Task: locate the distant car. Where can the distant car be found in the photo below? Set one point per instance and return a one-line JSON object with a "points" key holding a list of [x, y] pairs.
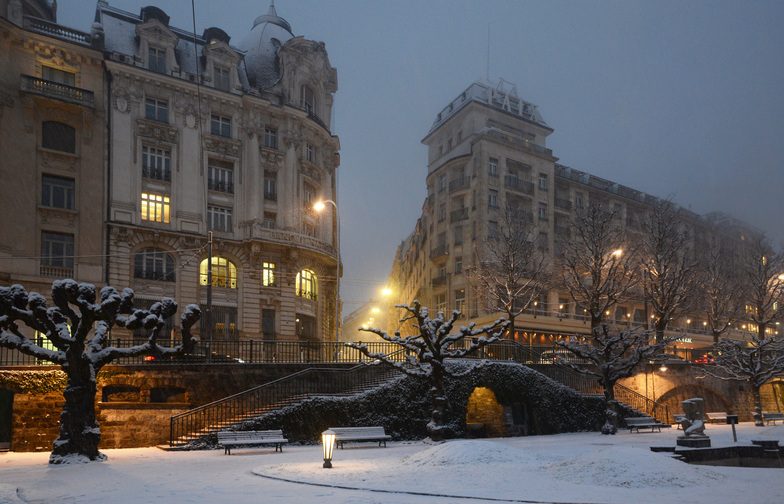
{"points": [[559, 354], [705, 359]]}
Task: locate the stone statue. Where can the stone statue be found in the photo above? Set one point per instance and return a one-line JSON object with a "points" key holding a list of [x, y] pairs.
{"points": [[693, 424]]}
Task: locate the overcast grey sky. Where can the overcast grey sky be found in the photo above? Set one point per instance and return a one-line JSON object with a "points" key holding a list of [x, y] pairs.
{"points": [[681, 98]]}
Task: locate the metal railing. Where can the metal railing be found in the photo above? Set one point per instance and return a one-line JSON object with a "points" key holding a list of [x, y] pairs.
{"points": [[56, 30], [58, 91]]}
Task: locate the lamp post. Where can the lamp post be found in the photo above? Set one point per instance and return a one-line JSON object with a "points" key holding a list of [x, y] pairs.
{"points": [[319, 206], [328, 442]]}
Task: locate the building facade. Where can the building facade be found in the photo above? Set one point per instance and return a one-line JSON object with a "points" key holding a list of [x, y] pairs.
{"points": [[174, 163], [487, 152]]}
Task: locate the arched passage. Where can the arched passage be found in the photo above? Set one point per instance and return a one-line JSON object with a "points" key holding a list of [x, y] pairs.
{"points": [[484, 414], [713, 400], [6, 413]]}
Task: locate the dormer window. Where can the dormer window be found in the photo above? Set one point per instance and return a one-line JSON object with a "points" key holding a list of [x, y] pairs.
{"points": [[222, 80], [308, 99], [156, 60]]}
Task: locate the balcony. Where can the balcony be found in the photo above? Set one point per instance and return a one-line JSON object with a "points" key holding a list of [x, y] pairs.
{"points": [[439, 281], [57, 272], [54, 30], [519, 184], [459, 214], [57, 91], [221, 186], [149, 172], [458, 184], [441, 250], [563, 203]]}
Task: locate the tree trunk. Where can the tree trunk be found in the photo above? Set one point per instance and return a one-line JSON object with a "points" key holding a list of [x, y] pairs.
{"points": [[510, 332], [758, 422], [435, 428], [716, 335], [660, 328], [610, 414], [79, 431]]}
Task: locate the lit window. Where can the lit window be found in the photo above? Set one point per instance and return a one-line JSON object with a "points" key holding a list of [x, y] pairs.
{"points": [[492, 167], [156, 110], [220, 125], [156, 60], [224, 273], [441, 303], [222, 81], [58, 136], [59, 76], [155, 207], [58, 192], [153, 264], [460, 300], [270, 138], [219, 218], [307, 286], [268, 274], [220, 176], [156, 164]]}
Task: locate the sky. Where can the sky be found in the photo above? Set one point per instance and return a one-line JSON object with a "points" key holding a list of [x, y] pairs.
{"points": [[672, 98], [582, 467]]}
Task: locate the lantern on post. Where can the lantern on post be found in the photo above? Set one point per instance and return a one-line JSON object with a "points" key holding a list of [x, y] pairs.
{"points": [[328, 442]]}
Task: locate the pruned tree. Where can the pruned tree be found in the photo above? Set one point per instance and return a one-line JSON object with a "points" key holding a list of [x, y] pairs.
{"points": [[598, 266], [511, 271], [77, 329], [762, 280], [668, 268], [427, 352], [613, 356], [756, 363], [719, 285]]}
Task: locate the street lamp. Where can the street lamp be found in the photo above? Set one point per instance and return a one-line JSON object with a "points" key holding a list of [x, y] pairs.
{"points": [[319, 206], [328, 442]]}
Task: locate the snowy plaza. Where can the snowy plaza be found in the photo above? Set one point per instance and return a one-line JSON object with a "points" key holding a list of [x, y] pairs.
{"points": [[566, 468]]}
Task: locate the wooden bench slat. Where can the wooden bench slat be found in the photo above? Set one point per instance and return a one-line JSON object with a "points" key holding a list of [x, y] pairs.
{"points": [[374, 433], [229, 439]]}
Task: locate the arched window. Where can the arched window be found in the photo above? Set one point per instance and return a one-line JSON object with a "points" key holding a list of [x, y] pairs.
{"points": [[308, 99], [307, 285], [153, 264], [58, 136], [224, 273]]}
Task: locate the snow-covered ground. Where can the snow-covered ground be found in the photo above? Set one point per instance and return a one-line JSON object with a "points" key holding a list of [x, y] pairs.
{"points": [[575, 468]]}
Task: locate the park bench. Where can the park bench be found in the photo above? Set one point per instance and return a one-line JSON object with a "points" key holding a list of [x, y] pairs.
{"points": [[772, 417], [344, 434], [717, 417], [231, 439], [643, 422]]}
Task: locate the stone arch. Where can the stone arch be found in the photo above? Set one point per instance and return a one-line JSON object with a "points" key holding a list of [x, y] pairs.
{"points": [[168, 394], [484, 414], [120, 393], [713, 400]]}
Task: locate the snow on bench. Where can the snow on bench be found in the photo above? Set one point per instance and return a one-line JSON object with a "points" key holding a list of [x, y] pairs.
{"points": [[717, 417], [230, 439], [772, 417], [641, 422], [344, 434]]}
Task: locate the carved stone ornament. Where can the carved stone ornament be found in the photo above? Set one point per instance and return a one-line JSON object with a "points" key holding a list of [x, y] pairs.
{"points": [[312, 171], [271, 155], [58, 217], [123, 235], [156, 131], [221, 146], [55, 161]]}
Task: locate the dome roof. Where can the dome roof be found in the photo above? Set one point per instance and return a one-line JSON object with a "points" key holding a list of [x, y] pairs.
{"points": [[261, 46]]}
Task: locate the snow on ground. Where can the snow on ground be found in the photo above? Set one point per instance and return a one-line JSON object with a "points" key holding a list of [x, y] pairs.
{"points": [[573, 468]]}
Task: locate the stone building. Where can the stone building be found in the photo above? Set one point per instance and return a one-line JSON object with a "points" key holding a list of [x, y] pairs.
{"points": [[52, 143], [487, 151]]}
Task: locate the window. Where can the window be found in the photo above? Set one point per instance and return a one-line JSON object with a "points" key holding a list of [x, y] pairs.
{"points": [[156, 60], [153, 264], [224, 322], [542, 181], [220, 176], [309, 196], [458, 265], [270, 218], [58, 192], [270, 186], [442, 182], [441, 303], [306, 327], [543, 211], [224, 273], [492, 200], [308, 100], [578, 199], [58, 136], [459, 235], [270, 138], [460, 301], [492, 167], [155, 207], [156, 110], [220, 125], [268, 278], [57, 250], [543, 241], [307, 286], [442, 212], [156, 164], [492, 230], [310, 152], [219, 218], [222, 81], [268, 324], [59, 76]]}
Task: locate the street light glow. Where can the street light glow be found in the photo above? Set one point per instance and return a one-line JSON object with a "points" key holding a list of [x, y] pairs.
{"points": [[319, 206], [387, 291]]}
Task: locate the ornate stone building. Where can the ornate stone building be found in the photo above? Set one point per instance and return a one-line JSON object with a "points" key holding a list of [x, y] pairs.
{"points": [[52, 169], [487, 152], [234, 141]]}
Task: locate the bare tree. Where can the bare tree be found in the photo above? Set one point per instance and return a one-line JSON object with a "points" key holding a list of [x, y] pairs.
{"points": [[78, 330], [427, 352], [669, 270], [614, 355], [720, 290], [755, 363], [598, 266], [762, 277], [511, 270]]}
